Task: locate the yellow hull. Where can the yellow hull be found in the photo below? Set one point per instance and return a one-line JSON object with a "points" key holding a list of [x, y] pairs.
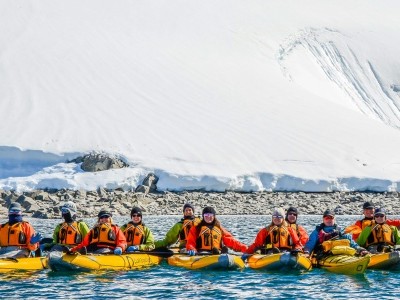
{"points": [[78, 262], [221, 261], [343, 264], [23, 264], [387, 260], [279, 261]]}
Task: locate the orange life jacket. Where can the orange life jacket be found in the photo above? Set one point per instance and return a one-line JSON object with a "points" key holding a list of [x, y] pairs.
{"points": [[209, 237], [103, 235], [366, 222], [12, 235], [69, 234], [187, 224], [380, 234], [134, 234], [278, 237]]}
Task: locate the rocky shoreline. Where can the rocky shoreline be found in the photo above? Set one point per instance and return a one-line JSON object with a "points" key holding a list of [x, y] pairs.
{"points": [[45, 204]]}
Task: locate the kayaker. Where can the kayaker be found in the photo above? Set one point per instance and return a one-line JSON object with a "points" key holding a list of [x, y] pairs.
{"points": [[209, 236], [328, 230], [276, 237], [71, 232], [368, 220], [380, 236], [138, 236], [17, 237], [179, 232], [291, 219], [104, 237]]}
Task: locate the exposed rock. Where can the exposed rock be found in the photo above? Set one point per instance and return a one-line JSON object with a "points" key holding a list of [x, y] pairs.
{"points": [[95, 162]]}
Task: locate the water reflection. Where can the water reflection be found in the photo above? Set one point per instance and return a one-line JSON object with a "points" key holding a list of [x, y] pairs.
{"points": [[164, 281]]}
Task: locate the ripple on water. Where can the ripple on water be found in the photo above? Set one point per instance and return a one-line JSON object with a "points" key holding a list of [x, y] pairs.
{"points": [[164, 281]]}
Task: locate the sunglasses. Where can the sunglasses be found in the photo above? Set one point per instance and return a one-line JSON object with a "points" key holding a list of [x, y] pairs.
{"points": [[292, 214], [136, 215], [379, 216], [329, 217], [277, 217], [208, 215], [104, 217]]}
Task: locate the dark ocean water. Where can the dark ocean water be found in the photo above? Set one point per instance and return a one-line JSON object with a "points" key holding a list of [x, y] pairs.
{"points": [[164, 281]]}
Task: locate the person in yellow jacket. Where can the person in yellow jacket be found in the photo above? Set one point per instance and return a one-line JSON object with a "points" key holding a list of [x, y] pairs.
{"points": [[70, 232], [368, 220], [138, 236], [17, 237], [379, 236], [179, 232]]}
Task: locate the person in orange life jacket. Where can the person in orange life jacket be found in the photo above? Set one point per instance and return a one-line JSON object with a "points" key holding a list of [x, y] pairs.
{"points": [[291, 219], [17, 237], [368, 220], [104, 237], [379, 237], [277, 235], [328, 230], [179, 232], [138, 236], [69, 233], [210, 236]]}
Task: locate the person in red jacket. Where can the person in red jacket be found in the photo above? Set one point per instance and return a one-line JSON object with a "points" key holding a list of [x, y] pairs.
{"points": [[368, 220], [276, 237], [104, 237], [210, 236], [291, 219], [17, 237]]}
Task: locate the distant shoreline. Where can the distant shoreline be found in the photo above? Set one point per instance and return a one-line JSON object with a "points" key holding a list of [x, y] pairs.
{"points": [[45, 204]]}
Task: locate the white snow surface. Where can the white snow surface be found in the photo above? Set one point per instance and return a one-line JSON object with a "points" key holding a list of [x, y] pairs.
{"points": [[247, 95]]}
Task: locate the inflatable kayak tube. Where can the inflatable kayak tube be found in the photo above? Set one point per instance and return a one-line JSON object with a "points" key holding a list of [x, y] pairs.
{"points": [[219, 261], [343, 264], [59, 261], [386, 261], [23, 264], [279, 261]]}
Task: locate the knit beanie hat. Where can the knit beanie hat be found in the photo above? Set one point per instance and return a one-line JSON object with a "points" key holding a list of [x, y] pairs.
{"points": [[188, 205], [208, 210], [68, 207], [104, 212], [136, 210], [278, 212], [15, 208], [292, 210]]}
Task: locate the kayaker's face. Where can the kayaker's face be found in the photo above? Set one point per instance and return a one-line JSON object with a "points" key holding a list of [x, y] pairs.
{"points": [[104, 219], [292, 217], [188, 212], [208, 218], [329, 220], [369, 212], [136, 218], [380, 218], [277, 220]]}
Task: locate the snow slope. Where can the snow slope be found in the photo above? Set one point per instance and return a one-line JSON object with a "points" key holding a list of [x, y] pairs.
{"points": [[217, 95]]}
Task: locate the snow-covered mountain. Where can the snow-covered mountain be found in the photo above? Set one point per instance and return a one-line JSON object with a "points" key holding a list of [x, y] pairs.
{"points": [[212, 94]]}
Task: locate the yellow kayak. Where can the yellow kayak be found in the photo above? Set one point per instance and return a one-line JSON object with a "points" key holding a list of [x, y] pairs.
{"points": [[23, 264], [343, 264], [387, 260], [59, 261], [279, 261], [219, 261]]}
